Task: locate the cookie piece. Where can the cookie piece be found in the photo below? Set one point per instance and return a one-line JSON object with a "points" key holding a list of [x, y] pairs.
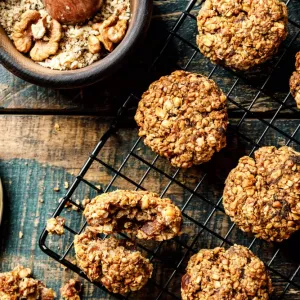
{"points": [[141, 213], [18, 284], [241, 33], [111, 262], [217, 274], [56, 225], [262, 195], [71, 290], [295, 81], [183, 117]]}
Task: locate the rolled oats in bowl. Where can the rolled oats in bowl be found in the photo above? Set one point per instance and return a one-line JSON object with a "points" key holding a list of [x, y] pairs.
{"points": [[64, 47]]}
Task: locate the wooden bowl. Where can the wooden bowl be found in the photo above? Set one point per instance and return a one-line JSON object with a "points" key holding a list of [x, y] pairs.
{"points": [[25, 68]]}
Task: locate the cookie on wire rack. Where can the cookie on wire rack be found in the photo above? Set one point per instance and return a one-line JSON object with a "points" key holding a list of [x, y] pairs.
{"points": [[241, 34], [262, 194], [216, 274], [111, 262], [183, 117], [141, 213], [295, 81]]}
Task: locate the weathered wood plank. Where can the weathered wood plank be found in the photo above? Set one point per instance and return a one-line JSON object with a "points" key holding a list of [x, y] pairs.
{"points": [[105, 97], [36, 156]]}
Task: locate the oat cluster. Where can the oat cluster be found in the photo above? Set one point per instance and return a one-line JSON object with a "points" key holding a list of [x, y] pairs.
{"points": [[71, 290], [111, 262], [295, 81], [56, 225], [217, 274], [18, 284], [183, 117], [72, 48], [262, 195], [140, 213], [241, 33]]}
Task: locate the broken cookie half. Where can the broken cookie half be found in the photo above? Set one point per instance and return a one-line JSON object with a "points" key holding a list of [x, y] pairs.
{"points": [[141, 213]]}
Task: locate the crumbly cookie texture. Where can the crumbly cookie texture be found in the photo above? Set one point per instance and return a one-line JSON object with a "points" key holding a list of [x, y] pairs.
{"points": [[295, 81], [56, 225], [141, 213], [241, 33], [71, 290], [183, 117], [217, 274], [18, 284], [262, 195], [111, 262]]}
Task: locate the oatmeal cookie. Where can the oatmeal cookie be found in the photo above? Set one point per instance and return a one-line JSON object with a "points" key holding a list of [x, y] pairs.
{"points": [[241, 33], [141, 213], [262, 195], [18, 284], [183, 117], [56, 225], [295, 81], [111, 262], [216, 274], [71, 290]]}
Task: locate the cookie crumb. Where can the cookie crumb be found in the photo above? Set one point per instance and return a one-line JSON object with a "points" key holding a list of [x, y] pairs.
{"points": [[20, 234], [56, 225], [71, 290]]}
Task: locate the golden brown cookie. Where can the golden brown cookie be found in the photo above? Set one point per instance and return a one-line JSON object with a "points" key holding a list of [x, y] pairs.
{"points": [[295, 81], [217, 274], [111, 262], [262, 195], [141, 213], [183, 117], [241, 33]]}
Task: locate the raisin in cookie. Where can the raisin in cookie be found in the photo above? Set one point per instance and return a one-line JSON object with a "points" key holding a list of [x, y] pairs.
{"points": [[111, 262], [295, 81], [262, 195], [217, 274], [183, 117], [241, 33], [141, 213], [18, 284]]}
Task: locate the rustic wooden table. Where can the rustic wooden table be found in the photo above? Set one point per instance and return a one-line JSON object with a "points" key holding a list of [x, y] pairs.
{"points": [[46, 136]]}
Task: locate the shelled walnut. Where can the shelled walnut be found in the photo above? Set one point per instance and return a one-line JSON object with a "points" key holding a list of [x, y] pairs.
{"points": [[111, 32], [33, 29]]}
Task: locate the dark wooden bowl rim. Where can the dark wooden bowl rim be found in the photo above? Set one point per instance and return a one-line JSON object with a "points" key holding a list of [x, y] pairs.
{"points": [[26, 69]]}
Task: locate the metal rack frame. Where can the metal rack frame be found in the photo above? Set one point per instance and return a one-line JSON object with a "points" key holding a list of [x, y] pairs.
{"points": [[244, 113]]}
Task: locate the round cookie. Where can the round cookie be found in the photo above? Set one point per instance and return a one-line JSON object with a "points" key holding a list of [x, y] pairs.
{"points": [[262, 195], [295, 81], [217, 274], [183, 117], [141, 213], [111, 262], [241, 33]]}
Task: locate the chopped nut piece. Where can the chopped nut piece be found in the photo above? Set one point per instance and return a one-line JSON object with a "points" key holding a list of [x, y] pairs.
{"points": [[39, 29], [232, 274], [56, 189], [20, 234], [183, 117], [94, 44], [141, 213], [57, 127], [22, 35], [261, 195], [66, 185], [17, 284], [241, 34], [42, 50], [295, 81], [111, 262], [56, 225], [71, 290]]}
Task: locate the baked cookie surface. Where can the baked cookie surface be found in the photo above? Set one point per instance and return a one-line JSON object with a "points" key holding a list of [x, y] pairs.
{"points": [[141, 213], [217, 274], [262, 195], [241, 33], [111, 262], [295, 81], [183, 117]]}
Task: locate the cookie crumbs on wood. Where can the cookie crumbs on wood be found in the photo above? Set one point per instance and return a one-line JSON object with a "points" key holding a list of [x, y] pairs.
{"points": [[56, 225]]}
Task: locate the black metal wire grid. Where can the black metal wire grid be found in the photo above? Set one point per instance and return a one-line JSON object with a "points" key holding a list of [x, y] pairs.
{"points": [[207, 233]]}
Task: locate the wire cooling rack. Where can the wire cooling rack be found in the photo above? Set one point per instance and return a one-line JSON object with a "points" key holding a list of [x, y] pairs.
{"points": [[198, 191]]}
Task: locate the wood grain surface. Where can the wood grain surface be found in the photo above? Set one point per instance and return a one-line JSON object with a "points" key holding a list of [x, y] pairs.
{"points": [[47, 135]]}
